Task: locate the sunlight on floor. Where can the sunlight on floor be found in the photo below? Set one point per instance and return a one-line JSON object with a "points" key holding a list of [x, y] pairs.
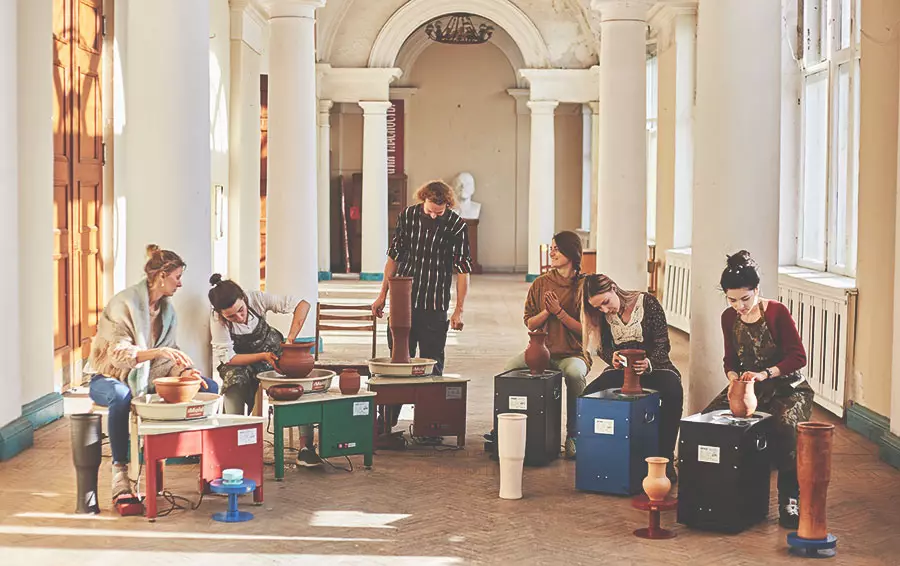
{"points": [[355, 519]]}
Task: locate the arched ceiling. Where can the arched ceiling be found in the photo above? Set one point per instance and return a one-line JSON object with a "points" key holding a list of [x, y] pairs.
{"points": [[347, 30]]}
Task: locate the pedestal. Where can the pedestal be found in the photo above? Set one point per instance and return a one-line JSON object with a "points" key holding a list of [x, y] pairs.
{"points": [[653, 530], [232, 515], [472, 224]]}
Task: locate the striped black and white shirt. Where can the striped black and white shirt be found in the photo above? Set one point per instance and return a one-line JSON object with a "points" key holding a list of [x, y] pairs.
{"points": [[430, 251]]}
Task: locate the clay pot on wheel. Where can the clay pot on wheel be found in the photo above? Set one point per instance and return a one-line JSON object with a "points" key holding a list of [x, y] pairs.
{"points": [[537, 356], [178, 389], [401, 318], [814, 445], [742, 398], [296, 360], [349, 382], [285, 392], [632, 381], [656, 485]]}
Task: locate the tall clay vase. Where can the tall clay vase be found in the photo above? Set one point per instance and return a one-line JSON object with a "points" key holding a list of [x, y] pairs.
{"points": [[742, 398], [86, 455], [349, 382], [296, 359], [401, 318], [511, 449], [632, 382], [656, 485], [814, 444], [537, 356]]}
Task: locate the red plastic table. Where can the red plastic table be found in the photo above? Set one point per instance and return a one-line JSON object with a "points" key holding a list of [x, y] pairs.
{"points": [[222, 441]]}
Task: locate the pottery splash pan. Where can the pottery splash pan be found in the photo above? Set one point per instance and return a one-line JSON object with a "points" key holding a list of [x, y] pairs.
{"points": [[317, 381], [153, 408], [417, 367]]}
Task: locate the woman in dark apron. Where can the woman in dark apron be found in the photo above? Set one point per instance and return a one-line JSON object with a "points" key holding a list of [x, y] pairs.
{"points": [[244, 344], [762, 344]]}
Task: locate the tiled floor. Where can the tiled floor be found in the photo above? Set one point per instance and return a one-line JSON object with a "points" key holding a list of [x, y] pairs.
{"points": [[423, 506]]}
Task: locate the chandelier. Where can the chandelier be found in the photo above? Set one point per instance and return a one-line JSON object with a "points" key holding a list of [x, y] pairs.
{"points": [[459, 30]]}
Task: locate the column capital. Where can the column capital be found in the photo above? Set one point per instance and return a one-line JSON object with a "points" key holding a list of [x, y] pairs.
{"points": [[595, 107], [293, 8], [325, 106], [663, 16], [543, 107], [248, 20], [374, 107], [622, 10], [324, 114]]}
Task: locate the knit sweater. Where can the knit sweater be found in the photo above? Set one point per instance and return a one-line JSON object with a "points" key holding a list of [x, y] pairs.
{"points": [[784, 333]]}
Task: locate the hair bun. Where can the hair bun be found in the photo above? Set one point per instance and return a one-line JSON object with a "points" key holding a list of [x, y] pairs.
{"points": [[215, 279], [740, 260], [152, 249]]}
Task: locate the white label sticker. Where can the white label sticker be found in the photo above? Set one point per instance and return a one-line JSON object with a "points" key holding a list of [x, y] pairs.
{"points": [[454, 392], [360, 408], [709, 454], [351, 445], [518, 403], [604, 426], [246, 436]]}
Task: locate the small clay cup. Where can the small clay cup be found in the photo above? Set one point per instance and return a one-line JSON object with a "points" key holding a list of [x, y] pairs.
{"points": [[285, 392]]}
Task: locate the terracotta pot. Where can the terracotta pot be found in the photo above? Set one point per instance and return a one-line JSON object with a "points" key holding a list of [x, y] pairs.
{"points": [[296, 360], [401, 318], [177, 389], [656, 484], [742, 398], [285, 392], [537, 356], [349, 382], [814, 444], [632, 382]]}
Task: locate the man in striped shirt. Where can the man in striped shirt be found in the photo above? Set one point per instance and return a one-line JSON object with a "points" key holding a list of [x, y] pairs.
{"points": [[430, 244]]}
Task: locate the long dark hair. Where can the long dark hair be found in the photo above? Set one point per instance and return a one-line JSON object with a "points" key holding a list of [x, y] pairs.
{"points": [[224, 294], [742, 272], [569, 244]]}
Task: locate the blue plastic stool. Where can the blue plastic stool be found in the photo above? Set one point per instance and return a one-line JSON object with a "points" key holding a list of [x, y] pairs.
{"points": [[232, 515], [812, 548]]}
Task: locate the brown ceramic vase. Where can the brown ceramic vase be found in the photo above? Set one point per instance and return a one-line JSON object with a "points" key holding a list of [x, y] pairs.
{"points": [[537, 356], [632, 381], [177, 389], [349, 382], [285, 392], [814, 444], [296, 360], [742, 398], [401, 318]]}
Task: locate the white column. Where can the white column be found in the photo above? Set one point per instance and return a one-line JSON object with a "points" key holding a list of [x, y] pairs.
{"points": [[11, 400], [244, 174], [167, 189], [324, 182], [35, 270], [291, 207], [622, 231], [595, 170], [587, 162], [738, 139], [542, 181], [374, 189], [685, 85]]}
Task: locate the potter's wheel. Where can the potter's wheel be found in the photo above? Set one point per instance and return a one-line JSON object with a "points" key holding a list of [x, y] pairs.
{"points": [[153, 407], [619, 395], [727, 417], [317, 381], [417, 367]]}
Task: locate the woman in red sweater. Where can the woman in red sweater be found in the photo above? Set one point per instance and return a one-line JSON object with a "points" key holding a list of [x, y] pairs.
{"points": [[762, 344]]}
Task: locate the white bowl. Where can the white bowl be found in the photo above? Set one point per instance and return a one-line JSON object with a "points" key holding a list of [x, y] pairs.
{"points": [[417, 367], [318, 380], [152, 407]]}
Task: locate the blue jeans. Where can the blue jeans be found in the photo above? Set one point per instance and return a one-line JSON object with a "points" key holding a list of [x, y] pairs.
{"points": [[116, 395]]}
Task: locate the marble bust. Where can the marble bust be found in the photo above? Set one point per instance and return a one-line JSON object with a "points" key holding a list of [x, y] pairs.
{"points": [[464, 185]]}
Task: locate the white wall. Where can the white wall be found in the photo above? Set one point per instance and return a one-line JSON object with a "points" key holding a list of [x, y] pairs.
{"points": [[219, 104]]}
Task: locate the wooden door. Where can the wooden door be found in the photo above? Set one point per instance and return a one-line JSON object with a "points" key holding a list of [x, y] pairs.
{"points": [[263, 173], [78, 177]]}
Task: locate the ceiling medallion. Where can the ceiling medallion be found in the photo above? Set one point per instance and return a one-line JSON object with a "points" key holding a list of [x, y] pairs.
{"points": [[459, 30]]}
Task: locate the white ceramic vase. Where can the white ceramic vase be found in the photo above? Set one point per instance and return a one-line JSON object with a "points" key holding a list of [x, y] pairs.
{"points": [[511, 449]]}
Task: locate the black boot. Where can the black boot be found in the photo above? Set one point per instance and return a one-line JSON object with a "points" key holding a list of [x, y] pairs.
{"points": [[86, 455], [788, 499]]}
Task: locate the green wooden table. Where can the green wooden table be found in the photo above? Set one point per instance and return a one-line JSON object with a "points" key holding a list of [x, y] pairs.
{"points": [[346, 424]]}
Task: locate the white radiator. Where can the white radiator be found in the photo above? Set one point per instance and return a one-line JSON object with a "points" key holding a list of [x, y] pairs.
{"points": [[677, 288], [824, 308]]}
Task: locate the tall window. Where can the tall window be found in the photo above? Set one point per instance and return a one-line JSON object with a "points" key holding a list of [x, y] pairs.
{"points": [[830, 136], [652, 108]]}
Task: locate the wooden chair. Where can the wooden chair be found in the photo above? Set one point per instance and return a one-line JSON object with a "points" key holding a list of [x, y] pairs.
{"points": [[362, 321], [545, 258]]}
